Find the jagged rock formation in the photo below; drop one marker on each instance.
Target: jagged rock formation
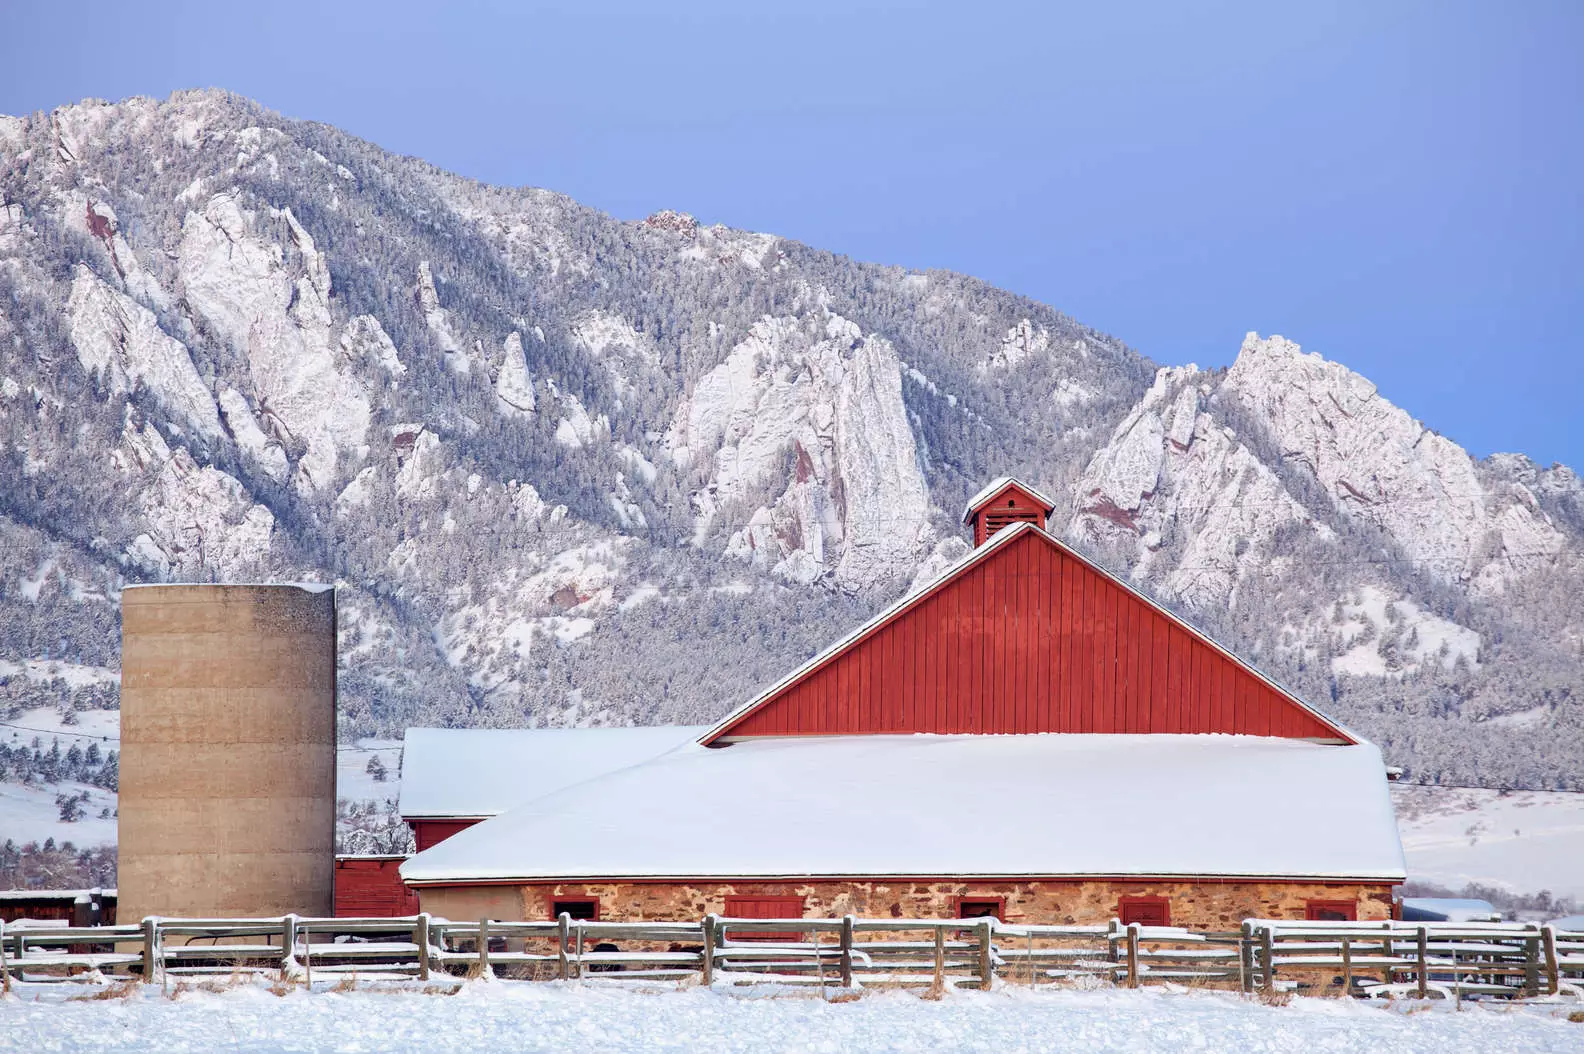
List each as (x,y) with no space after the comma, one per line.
(573,469)
(812,389)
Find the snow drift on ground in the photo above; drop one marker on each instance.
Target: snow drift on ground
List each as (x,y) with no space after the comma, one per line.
(549,1017)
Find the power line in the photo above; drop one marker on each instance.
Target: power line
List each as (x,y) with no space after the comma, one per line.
(59,732)
(64,733)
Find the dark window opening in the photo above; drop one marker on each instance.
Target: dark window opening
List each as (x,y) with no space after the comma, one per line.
(1146,911)
(981,908)
(585,909)
(1331,911)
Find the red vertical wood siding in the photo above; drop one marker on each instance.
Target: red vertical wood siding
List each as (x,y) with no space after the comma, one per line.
(1031,639)
(432,832)
(372,887)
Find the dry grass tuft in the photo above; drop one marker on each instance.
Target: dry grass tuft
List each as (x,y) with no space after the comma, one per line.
(848,996)
(183,987)
(119,990)
(1274,996)
(1577,1017)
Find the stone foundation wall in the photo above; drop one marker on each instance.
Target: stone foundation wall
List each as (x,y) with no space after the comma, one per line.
(1199,905)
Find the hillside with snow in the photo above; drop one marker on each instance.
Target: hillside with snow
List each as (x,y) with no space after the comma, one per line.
(569,469)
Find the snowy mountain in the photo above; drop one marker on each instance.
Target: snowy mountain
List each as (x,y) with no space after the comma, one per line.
(569,469)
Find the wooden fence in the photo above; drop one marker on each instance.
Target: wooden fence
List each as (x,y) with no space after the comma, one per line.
(1451,960)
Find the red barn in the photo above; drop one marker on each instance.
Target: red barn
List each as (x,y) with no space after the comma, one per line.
(1027,736)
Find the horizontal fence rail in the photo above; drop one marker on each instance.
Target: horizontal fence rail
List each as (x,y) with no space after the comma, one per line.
(1395,959)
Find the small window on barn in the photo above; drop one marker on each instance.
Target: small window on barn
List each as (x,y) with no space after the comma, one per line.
(1331,910)
(1146,911)
(583,908)
(981,908)
(764,908)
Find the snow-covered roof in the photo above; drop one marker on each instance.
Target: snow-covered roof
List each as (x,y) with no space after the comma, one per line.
(923,805)
(1448,909)
(995,485)
(467,773)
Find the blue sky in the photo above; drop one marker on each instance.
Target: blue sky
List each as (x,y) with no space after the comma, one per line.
(1399,186)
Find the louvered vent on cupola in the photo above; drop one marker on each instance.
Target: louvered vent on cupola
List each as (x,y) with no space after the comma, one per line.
(1004,502)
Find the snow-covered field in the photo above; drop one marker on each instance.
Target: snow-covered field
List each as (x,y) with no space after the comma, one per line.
(1525,841)
(29,814)
(352,778)
(550,1017)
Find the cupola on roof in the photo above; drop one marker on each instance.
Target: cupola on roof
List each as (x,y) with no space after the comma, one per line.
(1004,502)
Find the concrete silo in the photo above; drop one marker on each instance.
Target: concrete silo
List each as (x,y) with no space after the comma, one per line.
(227,802)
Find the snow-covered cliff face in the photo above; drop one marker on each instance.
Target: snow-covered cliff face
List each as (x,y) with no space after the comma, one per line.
(200,521)
(572,469)
(121,340)
(269,299)
(1383,467)
(814,393)
(1170,464)
(1178,488)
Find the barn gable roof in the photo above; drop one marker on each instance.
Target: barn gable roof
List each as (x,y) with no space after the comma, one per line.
(1026,635)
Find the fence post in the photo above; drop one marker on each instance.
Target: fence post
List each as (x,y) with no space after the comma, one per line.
(150,941)
(1424,963)
(1246,958)
(710,922)
(986,964)
(1553,973)
(421,938)
(1532,963)
(1132,955)
(1389,950)
(561,945)
(1347,966)
(307,932)
(288,942)
(483,949)
(848,923)
(940,959)
(5,971)
(1268,950)
(577,924)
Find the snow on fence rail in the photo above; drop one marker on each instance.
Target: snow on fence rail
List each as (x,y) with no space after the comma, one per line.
(1451,960)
